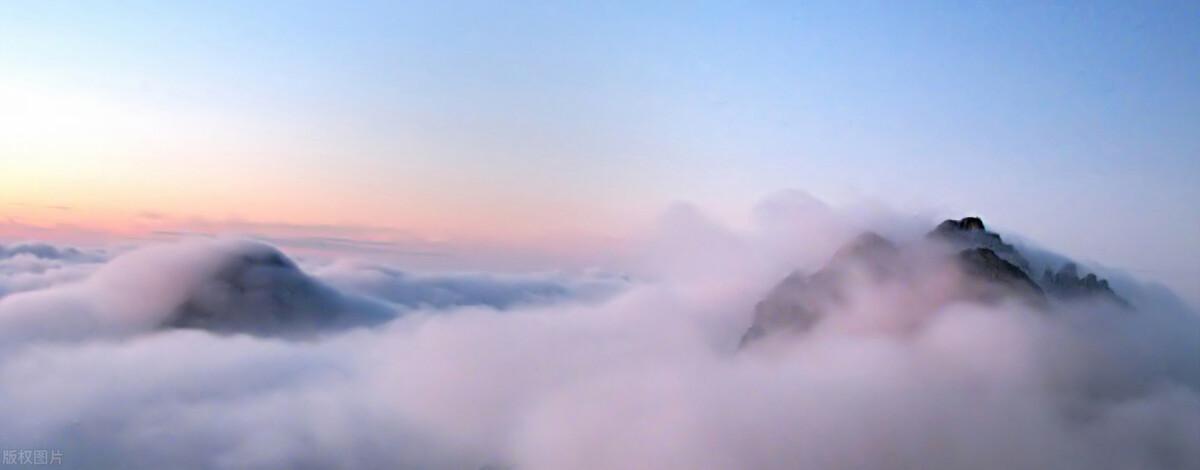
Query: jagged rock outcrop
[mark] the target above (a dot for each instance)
(991, 271)
(1067, 284)
(969, 232)
(993, 278)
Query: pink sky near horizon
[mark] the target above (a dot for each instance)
(517, 248)
(81, 199)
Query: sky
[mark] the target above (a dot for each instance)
(562, 126)
(597, 235)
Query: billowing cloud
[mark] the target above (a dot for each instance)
(567, 371)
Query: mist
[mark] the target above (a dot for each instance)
(639, 365)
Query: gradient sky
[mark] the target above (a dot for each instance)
(1076, 124)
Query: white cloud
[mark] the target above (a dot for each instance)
(647, 377)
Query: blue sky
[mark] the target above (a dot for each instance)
(1074, 123)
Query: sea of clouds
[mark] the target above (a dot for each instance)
(634, 366)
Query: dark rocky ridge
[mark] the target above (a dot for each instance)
(993, 271)
(1066, 284)
(997, 277)
(971, 233)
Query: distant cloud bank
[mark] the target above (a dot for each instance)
(218, 353)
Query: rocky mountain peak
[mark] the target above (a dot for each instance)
(964, 224)
(992, 271)
(969, 232)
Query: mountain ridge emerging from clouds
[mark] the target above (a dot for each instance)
(254, 288)
(978, 265)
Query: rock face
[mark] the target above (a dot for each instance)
(995, 278)
(991, 271)
(971, 233)
(1067, 284)
(1014, 270)
(255, 289)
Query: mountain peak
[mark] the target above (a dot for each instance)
(254, 288)
(992, 271)
(965, 224)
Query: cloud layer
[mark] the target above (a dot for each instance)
(591, 371)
